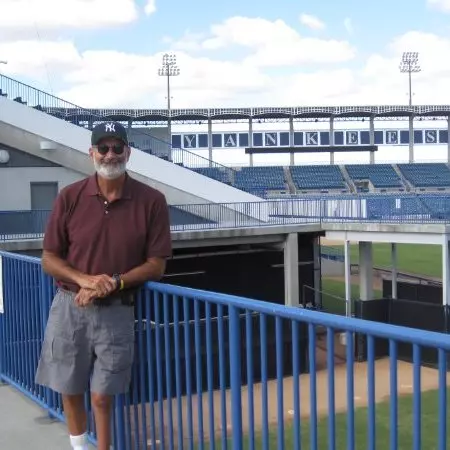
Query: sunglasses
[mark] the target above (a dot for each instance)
(118, 149)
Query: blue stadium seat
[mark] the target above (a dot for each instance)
(215, 173)
(426, 175)
(321, 177)
(380, 175)
(259, 180)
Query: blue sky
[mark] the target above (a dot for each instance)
(374, 23)
(235, 53)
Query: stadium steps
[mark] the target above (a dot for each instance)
(347, 179)
(54, 106)
(289, 180)
(405, 182)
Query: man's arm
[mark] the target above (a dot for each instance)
(60, 269)
(152, 270)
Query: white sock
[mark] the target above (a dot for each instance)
(79, 442)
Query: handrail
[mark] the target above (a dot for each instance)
(53, 105)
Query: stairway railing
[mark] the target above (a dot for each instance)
(86, 118)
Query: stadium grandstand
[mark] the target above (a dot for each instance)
(400, 183)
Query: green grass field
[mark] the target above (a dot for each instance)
(429, 416)
(416, 259)
(412, 258)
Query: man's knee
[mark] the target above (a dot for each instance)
(101, 401)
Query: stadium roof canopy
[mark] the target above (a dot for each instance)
(202, 114)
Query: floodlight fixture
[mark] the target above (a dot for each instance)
(410, 64)
(169, 69)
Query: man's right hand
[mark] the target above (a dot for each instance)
(102, 284)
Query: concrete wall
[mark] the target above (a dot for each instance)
(15, 192)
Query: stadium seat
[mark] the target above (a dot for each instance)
(260, 180)
(214, 172)
(426, 175)
(380, 175)
(320, 177)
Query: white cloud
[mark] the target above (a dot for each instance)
(348, 25)
(241, 62)
(62, 14)
(150, 7)
(269, 43)
(312, 22)
(441, 5)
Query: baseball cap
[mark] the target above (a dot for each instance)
(109, 130)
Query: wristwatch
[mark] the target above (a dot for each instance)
(119, 282)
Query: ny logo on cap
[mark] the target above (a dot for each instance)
(110, 128)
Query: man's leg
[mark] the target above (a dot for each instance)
(75, 414)
(102, 405)
(66, 361)
(114, 351)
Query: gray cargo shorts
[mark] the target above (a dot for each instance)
(82, 344)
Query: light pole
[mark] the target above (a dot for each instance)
(169, 69)
(410, 64)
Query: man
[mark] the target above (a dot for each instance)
(107, 235)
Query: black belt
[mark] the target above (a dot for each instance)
(126, 298)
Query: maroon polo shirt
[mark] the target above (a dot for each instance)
(98, 237)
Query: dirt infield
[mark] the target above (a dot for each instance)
(429, 381)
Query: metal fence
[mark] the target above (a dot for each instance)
(86, 118)
(405, 209)
(219, 371)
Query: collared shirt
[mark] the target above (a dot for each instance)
(98, 237)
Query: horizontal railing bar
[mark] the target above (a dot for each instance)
(352, 324)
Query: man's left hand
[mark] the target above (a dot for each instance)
(85, 297)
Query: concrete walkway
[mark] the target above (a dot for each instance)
(24, 425)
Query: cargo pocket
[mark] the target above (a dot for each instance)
(63, 349)
(122, 352)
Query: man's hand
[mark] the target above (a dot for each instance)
(102, 285)
(85, 297)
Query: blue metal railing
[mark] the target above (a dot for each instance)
(388, 208)
(57, 107)
(195, 352)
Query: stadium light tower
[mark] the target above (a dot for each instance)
(410, 64)
(169, 69)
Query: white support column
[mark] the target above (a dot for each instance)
(394, 269)
(448, 139)
(317, 272)
(331, 139)
(250, 139)
(291, 139)
(372, 138)
(445, 271)
(411, 139)
(210, 146)
(291, 284)
(365, 271)
(348, 285)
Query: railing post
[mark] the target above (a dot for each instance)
(119, 423)
(235, 377)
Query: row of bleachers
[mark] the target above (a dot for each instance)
(262, 178)
(259, 180)
(317, 177)
(215, 173)
(426, 175)
(380, 175)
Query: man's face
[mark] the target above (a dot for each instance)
(110, 157)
